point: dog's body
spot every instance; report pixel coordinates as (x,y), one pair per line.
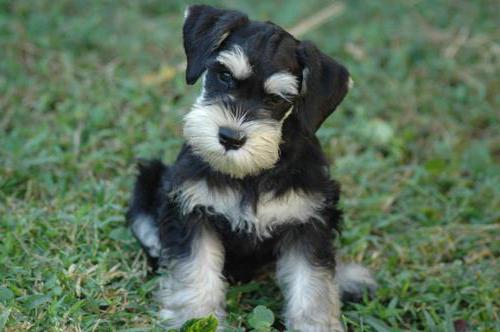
(251,185)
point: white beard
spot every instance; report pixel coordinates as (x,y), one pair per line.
(260,151)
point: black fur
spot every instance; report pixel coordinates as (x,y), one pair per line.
(203,28)
(270,48)
(149,193)
(302,166)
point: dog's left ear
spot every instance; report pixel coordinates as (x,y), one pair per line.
(205,28)
(325,83)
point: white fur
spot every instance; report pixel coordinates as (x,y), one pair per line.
(312,298)
(146,231)
(282,84)
(194,286)
(287,114)
(201,98)
(354,278)
(260,151)
(236,62)
(350,83)
(186,12)
(293,206)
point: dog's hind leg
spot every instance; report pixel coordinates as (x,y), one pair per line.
(354,280)
(143,209)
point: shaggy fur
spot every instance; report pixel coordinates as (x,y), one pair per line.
(251,185)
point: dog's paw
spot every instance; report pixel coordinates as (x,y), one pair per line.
(354,281)
(308,327)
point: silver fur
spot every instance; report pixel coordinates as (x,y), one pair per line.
(354,278)
(282,84)
(146,232)
(261,150)
(293,206)
(312,296)
(194,286)
(236,61)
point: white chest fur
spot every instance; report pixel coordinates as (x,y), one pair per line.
(292,207)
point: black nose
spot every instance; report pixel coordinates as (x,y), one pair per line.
(231,139)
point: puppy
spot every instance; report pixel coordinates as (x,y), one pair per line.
(251,184)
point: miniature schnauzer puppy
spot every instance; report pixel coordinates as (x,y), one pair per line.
(251,184)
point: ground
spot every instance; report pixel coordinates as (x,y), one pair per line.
(88,86)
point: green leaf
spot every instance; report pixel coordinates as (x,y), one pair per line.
(6,294)
(436,166)
(120,234)
(207,324)
(4,316)
(35,300)
(378,325)
(431,325)
(261,318)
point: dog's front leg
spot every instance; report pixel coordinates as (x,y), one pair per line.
(193,285)
(305,271)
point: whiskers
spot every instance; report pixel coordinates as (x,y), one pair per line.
(260,151)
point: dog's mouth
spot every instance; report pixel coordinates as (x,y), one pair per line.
(229,142)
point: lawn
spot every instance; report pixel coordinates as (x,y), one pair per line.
(88,86)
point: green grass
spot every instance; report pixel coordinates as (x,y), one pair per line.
(87,86)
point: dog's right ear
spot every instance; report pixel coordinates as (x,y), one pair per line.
(205,28)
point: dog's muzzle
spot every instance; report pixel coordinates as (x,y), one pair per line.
(224,136)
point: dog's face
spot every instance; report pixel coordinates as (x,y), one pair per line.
(254,76)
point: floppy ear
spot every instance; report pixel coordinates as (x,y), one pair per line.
(205,28)
(325,83)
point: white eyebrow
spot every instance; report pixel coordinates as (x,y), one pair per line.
(236,62)
(282,84)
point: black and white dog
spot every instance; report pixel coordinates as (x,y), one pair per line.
(251,185)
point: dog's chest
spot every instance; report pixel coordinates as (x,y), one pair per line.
(268,212)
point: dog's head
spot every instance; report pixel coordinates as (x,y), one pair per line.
(255,75)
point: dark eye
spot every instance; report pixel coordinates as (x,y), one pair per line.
(275,100)
(226,78)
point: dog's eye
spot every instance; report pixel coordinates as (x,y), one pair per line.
(275,100)
(226,78)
